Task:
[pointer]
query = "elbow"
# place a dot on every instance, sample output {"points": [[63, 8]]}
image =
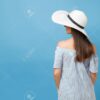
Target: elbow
{"points": [[93, 77], [57, 72]]}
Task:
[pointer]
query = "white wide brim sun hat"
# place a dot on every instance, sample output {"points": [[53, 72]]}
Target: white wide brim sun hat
{"points": [[75, 19]]}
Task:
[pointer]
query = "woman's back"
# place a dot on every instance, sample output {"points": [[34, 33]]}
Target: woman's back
{"points": [[75, 83]]}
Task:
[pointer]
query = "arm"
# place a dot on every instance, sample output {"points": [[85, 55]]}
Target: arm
{"points": [[58, 65], [93, 77], [57, 76]]}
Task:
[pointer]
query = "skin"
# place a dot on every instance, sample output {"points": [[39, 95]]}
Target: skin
{"points": [[68, 29], [69, 44]]}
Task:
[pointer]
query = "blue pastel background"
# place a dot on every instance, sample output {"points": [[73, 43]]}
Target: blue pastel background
{"points": [[28, 38]]}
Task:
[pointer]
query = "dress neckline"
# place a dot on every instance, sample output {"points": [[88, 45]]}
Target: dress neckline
{"points": [[66, 49]]}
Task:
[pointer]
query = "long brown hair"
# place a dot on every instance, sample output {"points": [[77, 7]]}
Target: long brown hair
{"points": [[84, 48]]}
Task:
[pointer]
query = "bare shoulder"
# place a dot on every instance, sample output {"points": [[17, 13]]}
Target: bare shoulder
{"points": [[61, 43], [64, 43], [94, 48]]}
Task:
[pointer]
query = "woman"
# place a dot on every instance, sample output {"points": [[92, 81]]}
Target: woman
{"points": [[76, 61]]}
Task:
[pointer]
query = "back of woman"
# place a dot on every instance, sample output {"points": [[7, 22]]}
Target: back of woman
{"points": [[76, 60]]}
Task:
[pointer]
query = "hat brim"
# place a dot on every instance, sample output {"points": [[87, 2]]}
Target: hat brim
{"points": [[60, 17]]}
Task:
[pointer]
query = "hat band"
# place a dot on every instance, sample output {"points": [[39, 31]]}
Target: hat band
{"points": [[75, 22]]}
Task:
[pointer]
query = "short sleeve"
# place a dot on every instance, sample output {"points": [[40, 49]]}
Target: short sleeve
{"points": [[58, 58], [93, 64]]}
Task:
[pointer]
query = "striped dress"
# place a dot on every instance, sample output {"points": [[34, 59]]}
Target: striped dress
{"points": [[75, 82]]}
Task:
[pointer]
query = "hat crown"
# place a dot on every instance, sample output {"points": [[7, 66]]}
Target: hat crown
{"points": [[79, 17]]}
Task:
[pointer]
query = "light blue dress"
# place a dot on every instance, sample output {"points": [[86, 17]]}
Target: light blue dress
{"points": [[75, 83]]}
